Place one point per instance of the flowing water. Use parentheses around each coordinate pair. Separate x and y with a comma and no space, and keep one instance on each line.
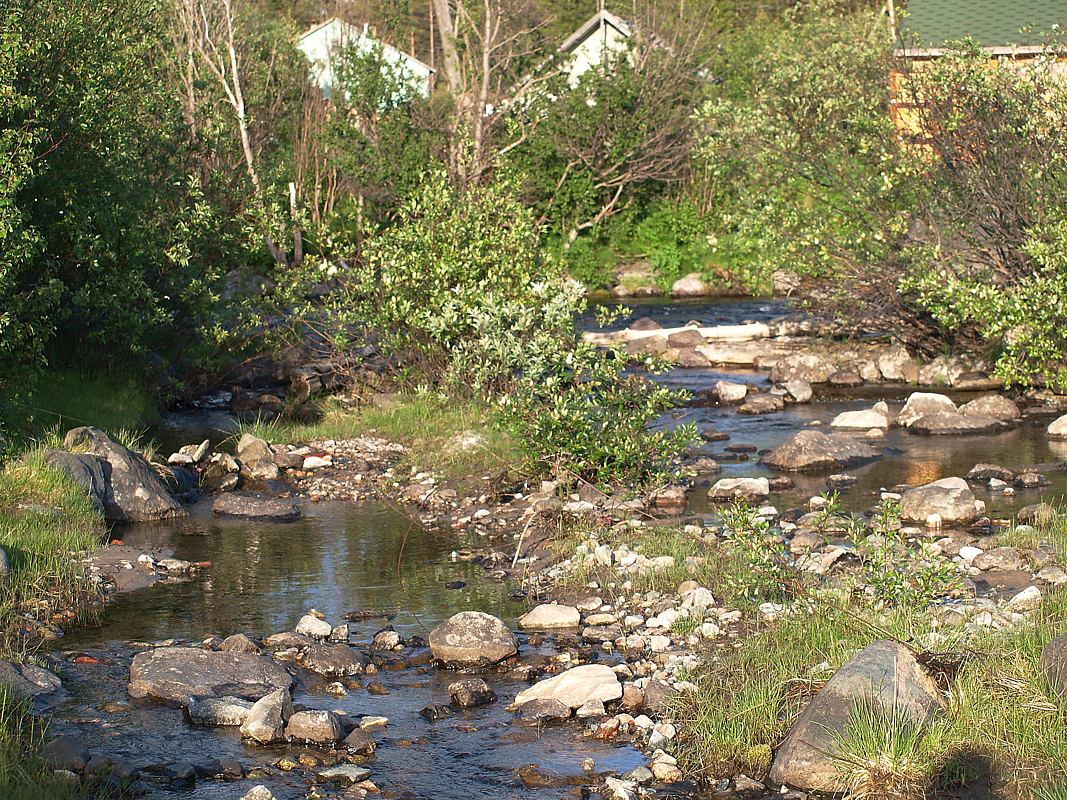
(368,558)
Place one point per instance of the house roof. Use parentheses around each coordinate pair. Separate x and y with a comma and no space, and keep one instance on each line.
(997,25)
(593,24)
(350,30)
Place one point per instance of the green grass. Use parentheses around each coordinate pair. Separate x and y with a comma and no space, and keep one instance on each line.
(746,702)
(1052,535)
(426,425)
(1001,718)
(23,775)
(884,754)
(63,400)
(45,522)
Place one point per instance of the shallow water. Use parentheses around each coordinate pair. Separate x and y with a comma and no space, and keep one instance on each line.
(338,559)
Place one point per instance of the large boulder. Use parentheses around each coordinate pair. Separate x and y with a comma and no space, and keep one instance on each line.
(219,711)
(254,506)
(1054,664)
(472,638)
(133,490)
(692,285)
(257,459)
(919,404)
(549,616)
(955,424)
(268,716)
(813,451)
(1058,428)
(740,489)
(811,367)
(575,687)
(87,471)
(951,499)
(996,406)
(314,727)
(180,674)
(885,674)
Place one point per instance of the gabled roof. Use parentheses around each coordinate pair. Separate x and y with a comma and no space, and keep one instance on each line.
(592,25)
(353,32)
(999,26)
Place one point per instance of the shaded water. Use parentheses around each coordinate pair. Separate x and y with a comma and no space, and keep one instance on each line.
(676,313)
(339,559)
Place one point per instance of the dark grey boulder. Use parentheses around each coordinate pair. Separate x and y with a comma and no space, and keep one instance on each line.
(133,490)
(1053,664)
(254,506)
(471,693)
(85,470)
(884,674)
(179,674)
(471,638)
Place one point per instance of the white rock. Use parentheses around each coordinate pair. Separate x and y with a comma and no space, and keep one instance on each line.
(317,462)
(969,553)
(1026,600)
(743,488)
(1058,429)
(919,404)
(877,417)
(730,392)
(550,616)
(576,687)
(314,627)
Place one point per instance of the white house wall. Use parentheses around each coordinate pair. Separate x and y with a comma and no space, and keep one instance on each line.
(319,44)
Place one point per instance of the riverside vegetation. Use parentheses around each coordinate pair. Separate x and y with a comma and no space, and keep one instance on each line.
(440,244)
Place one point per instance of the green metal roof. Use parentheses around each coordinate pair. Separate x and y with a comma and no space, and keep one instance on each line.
(991,23)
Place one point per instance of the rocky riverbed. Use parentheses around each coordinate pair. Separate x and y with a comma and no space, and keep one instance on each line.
(295,628)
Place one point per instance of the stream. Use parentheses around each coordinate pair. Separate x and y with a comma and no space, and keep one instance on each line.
(344,558)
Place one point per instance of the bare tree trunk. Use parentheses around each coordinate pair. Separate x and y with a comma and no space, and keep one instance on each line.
(450,55)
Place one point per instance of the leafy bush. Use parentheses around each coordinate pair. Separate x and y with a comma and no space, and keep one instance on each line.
(895,574)
(764,572)
(576,412)
(990,260)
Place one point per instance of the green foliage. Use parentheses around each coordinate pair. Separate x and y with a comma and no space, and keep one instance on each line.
(764,572)
(459,289)
(673,236)
(995,266)
(575,412)
(801,144)
(895,573)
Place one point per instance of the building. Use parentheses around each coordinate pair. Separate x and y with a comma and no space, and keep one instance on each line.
(593,43)
(1010,32)
(329,37)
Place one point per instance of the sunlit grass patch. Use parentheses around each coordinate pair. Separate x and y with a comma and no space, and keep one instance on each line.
(455,438)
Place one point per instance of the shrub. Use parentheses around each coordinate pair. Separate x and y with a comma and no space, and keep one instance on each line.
(895,574)
(577,413)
